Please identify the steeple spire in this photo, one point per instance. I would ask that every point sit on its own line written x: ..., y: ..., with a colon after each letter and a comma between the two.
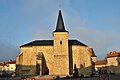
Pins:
x: 60, y: 24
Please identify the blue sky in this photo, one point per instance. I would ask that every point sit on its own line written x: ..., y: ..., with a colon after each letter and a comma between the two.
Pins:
x: 93, y: 22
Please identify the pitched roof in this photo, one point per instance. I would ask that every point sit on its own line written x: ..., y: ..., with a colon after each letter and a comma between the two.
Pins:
x: 39, y: 43
x: 11, y: 62
x: 113, y: 54
x: 1, y: 64
x: 75, y: 42
x: 101, y: 62
x: 92, y: 52
x: 60, y: 24
x: 50, y: 43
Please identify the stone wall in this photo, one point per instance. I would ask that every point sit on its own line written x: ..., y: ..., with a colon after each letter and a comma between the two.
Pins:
x: 27, y: 61
x: 61, y: 54
x: 48, y: 61
x: 82, y: 59
x: 59, y: 62
x: 81, y: 55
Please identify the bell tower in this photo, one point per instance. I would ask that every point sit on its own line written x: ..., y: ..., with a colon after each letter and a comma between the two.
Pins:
x: 61, y: 54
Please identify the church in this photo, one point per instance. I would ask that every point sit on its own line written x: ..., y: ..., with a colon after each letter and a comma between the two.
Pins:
x: 55, y: 57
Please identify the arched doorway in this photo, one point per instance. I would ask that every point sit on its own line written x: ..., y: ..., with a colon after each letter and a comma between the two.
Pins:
x: 37, y: 69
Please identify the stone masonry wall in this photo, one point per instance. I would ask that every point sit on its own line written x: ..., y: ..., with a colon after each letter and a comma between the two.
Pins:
x: 47, y: 56
x: 81, y: 56
x: 61, y: 55
x: 28, y: 63
x: 55, y: 58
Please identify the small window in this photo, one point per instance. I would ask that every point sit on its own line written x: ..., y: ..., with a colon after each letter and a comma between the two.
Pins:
x: 60, y: 42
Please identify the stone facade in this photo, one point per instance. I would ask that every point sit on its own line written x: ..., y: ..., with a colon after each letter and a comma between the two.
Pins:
x: 58, y: 55
x: 61, y: 54
x: 28, y: 59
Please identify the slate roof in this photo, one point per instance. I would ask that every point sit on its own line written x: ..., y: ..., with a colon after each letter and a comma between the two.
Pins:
x: 50, y: 43
x: 76, y: 42
x: 60, y: 24
x: 39, y: 43
x: 92, y: 53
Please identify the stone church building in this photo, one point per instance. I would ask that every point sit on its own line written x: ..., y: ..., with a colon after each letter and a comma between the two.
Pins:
x: 54, y: 57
